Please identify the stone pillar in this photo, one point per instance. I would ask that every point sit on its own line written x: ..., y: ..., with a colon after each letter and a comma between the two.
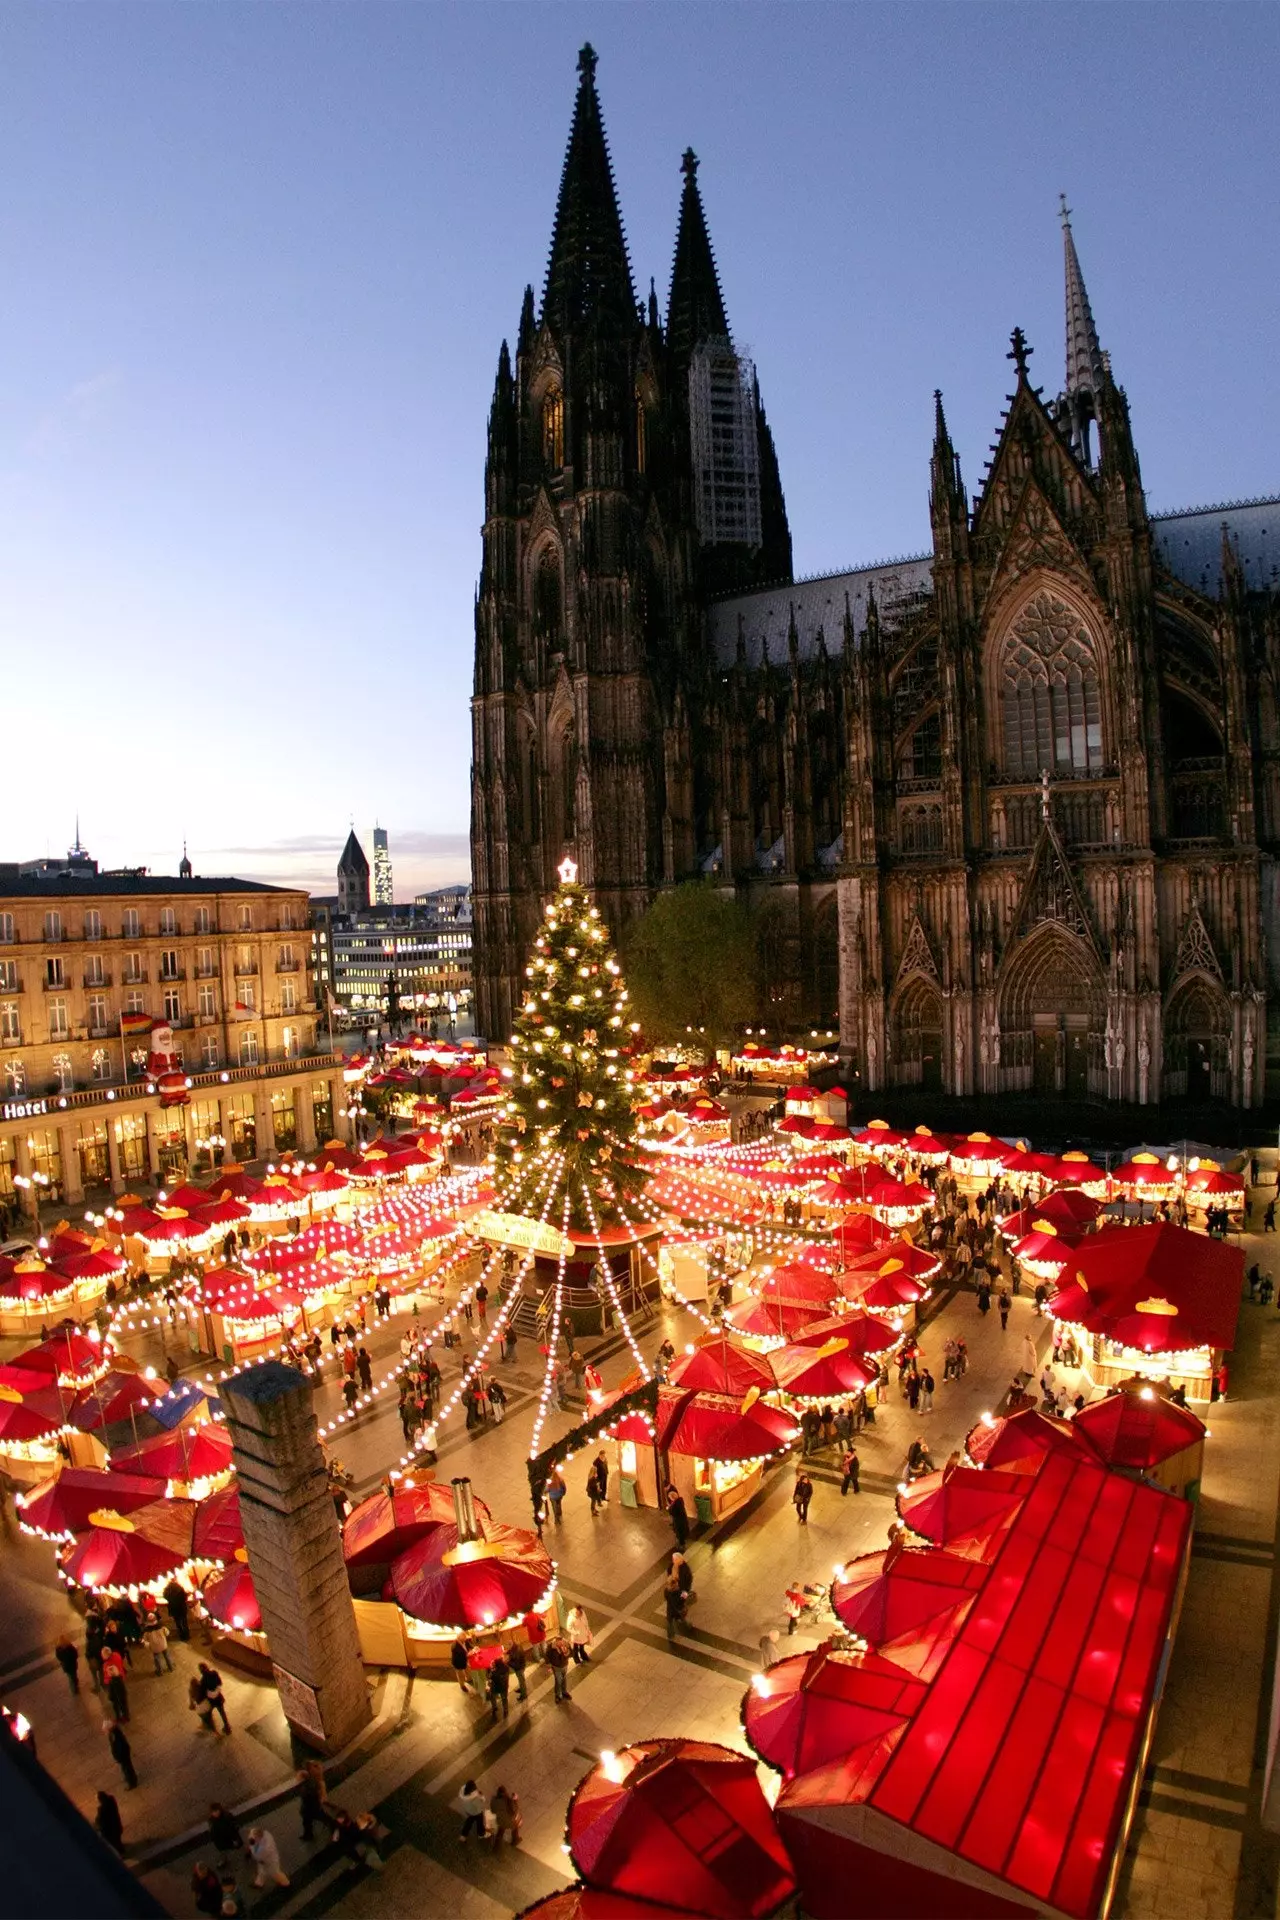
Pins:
x: 113, y: 1157
x: 295, y: 1555
x: 153, y: 1140
x: 304, y: 1117
x: 265, y: 1126
x: 72, y: 1183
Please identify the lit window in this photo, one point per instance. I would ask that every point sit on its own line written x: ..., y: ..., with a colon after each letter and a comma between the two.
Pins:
x: 62, y: 1074
x: 15, y: 1077
x: 100, y: 1064
x: 172, y: 1005
x: 10, y: 1025
x: 249, y: 1049
x: 553, y: 428
x: 59, y: 1025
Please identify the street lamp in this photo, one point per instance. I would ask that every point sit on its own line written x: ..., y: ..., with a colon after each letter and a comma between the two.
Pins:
x: 215, y: 1144
x: 31, y: 1186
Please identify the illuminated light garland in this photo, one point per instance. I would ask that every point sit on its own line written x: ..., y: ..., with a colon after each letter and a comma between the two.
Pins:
x: 645, y: 1369
x: 553, y: 1340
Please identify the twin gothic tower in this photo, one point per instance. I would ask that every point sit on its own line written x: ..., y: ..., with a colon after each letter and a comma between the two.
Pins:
x: 1008, y: 810
x: 630, y: 474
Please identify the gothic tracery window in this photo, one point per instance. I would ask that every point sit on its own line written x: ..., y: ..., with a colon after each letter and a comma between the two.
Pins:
x: 1050, y: 693
x: 553, y: 429
x: 642, y: 435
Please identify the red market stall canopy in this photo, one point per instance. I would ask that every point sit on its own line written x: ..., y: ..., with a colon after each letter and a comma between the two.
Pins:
x: 963, y: 1507
x: 771, y: 1319
x: 94, y: 1263
x: 798, y: 1285
x: 1146, y: 1173
x: 230, y: 1601
x: 67, y: 1354
x: 446, y: 1582
x: 888, y: 1290
x: 116, y: 1396
x: 218, y: 1532
x: 1139, y: 1430
x: 34, y: 1415
x: 61, y: 1507
x: 865, y: 1332
x: 170, y: 1524
x: 720, y: 1365
x: 879, y: 1137
x: 1046, y: 1255
x: 1158, y: 1288
x: 1013, y: 1786
x: 1017, y: 1442
x: 895, y: 1256
x: 1211, y: 1183
x: 900, y: 1593
x: 188, y: 1453
x: 680, y: 1823
x: 382, y: 1526
x: 901, y: 1196
x: 717, y: 1426
x: 114, y: 1555
x: 817, y: 1707
x: 832, y: 1371
x: 979, y: 1154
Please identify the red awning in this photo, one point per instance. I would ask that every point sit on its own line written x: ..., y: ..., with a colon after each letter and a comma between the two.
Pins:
x: 681, y: 1823
x: 1160, y: 1288
x: 832, y: 1371
x: 61, y: 1506
x: 720, y: 1365
x: 474, y: 1583
x: 1138, y: 1429
x: 1018, y: 1442
x: 963, y: 1507
x: 717, y: 1426
x: 385, y: 1524
x: 230, y: 1601
x: 817, y: 1707
x: 901, y: 1595
x: 116, y: 1556
x: 188, y: 1453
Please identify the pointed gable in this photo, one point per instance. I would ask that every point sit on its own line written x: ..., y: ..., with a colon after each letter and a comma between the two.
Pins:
x: 1050, y: 894
x: 917, y: 954
x: 588, y: 272
x: 1196, y: 951
x: 1036, y: 537
x: 1030, y: 444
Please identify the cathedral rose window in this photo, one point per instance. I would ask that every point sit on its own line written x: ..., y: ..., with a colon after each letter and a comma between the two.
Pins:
x: 1050, y: 692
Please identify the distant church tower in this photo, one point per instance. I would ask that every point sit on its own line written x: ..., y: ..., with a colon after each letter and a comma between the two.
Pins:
x: 353, y: 877
x: 611, y: 509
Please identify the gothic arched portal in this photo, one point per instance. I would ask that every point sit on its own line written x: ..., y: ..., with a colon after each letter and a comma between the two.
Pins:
x: 1197, y: 1028
x: 1052, y: 1015
x: 915, y: 1028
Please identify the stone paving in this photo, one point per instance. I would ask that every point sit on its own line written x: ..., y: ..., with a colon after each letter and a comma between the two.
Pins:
x: 1198, y: 1848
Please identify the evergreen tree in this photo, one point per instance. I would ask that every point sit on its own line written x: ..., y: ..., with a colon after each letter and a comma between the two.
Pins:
x: 570, y: 1092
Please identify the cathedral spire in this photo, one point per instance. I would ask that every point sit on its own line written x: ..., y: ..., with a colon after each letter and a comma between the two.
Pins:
x: 1085, y: 365
x: 695, y: 310
x: 588, y: 272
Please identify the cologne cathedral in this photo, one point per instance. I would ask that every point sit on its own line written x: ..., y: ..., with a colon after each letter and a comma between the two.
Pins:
x: 1008, y: 810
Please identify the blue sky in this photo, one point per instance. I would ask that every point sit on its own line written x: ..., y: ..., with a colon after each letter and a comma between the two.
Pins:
x: 258, y: 261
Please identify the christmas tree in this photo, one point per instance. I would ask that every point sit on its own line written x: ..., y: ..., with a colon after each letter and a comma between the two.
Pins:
x: 568, y: 1125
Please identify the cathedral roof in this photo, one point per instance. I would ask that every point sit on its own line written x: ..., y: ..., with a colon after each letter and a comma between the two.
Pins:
x: 695, y: 310
x: 588, y: 272
x: 1190, y: 543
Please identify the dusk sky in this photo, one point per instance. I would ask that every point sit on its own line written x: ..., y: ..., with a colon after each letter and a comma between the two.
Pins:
x: 258, y: 262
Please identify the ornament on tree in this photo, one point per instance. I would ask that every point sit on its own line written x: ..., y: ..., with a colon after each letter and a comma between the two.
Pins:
x: 584, y: 1098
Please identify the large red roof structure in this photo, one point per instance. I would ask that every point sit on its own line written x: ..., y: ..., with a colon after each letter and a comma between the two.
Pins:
x: 1011, y: 1789
x: 1161, y: 1289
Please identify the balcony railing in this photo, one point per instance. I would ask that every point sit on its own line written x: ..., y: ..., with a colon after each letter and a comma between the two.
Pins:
x: 286, y: 966
x: 97, y: 980
x: 244, y: 968
x: 207, y: 1079
x: 168, y: 974
x: 55, y: 986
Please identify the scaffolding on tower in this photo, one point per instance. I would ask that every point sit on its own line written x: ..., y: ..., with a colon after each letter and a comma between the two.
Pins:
x: 726, y: 449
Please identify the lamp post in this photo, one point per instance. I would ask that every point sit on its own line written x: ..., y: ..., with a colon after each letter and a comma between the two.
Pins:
x: 214, y: 1145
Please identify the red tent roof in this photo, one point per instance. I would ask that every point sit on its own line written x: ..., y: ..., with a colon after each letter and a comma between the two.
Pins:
x: 772, y: 1319
x: 681, y: 1823
x: 1017, y: 1442
x: 218, y: 1533
x: 962, y: 1507
x: 827, y: 1372
x: 720, y: 1365
x: 188, y: 1453
x: 229, y: 1599
x: 865, y: 1332
x: 66, y: 1352
x: 386, y: 1523
x: 1020, y: 1763
x: 1139, y: 1429
x: 473, y: 1583
x: 117, y: 1556
x: 61, y: 1506
x: 895, y: 1594
x: 798, y: 1285
x: 886, y: 1292
x: 817, y: 1707
x: 1160, y: 1288
x: 118, y: 1394
x: 31, y: 1415
x: 718, y: 1426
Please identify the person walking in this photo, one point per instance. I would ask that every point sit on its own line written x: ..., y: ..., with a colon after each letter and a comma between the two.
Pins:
x: 121, y: 1751
x: 769, y: 1655
x: 108, y: 1822
x: 556, y: 1490
x: 926, y: 1391
x: 198, y: 1704
x: 557, y: 1658
x: 849, y: 1468
x: 67, y: 1655
x: 505, y: 1809
x: 364, y: 1367
x: 499, y: 1689
x: 156, y: 1641
x: 113, y: 1679
x: 1030, y: 1359
x: 265, y: 1855
x: 984, y: 1295
x: 684, y: 1575
x: 473, y: 1806
x: 678, y: 1514
x: 206, y: 1888
x: 595, y: 1491
x: 211, y: 1690
x: 460, y: 1658
x: 175, y: 1598
x: 482, y: 1302
x: 224, y: 1829
x: 801, y: 1495
x: 913, y: 1391
x: 1269, y: 1218
x: 350, y: 1393
x: 673, y: 1600
x: 518, y: 1661
x: 578, y: 1368
x: 1004, y: 1301
x: 93, y: 1648
x: 579, y: 1632
x: 311, y: 1798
